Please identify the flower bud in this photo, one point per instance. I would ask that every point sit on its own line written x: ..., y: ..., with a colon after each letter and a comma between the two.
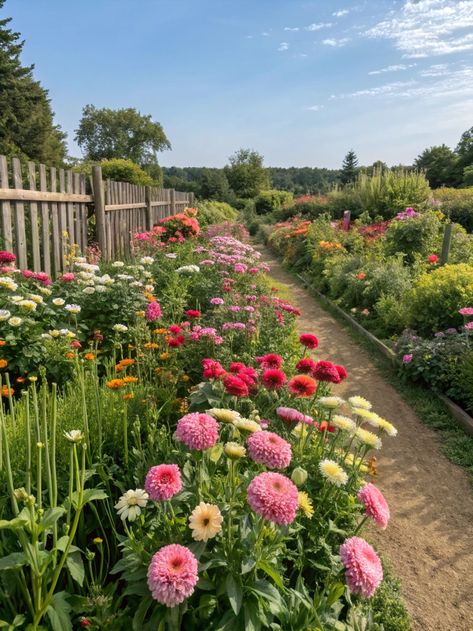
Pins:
x: 299, y: 476
x: 234, y: 451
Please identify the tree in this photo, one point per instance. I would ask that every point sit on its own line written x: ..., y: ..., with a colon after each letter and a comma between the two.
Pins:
x: 440, y: 164
x: 26, y: 120
x: 104, y: 134
x: 468, y: 176
x: 246, y: 173
x: 214, y: 185
x: 464, y: 150
x: 349, y: 168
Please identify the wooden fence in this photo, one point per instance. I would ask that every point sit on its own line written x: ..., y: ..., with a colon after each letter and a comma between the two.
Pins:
x: 44, y: 211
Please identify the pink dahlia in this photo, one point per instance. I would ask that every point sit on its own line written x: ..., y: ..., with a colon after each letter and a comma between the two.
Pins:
x: 274, y: 497
x: 291, y: 415
x: 342, y: 372
x: 197, y: 431
x: 7, y: 257
x: 172, y: 574
x: 236, y: 367
x: 212, y: 369
x: 363, y: 569
x: 163, y: 482
x: 273, y: 378
x: 308, y: 340
x: 67, y: 277
x: 235, y: 386
x: 466, y: 311
x: 269, y: 449
x: 326, y: 371
x: 153, y: 311
x: 271, y: 360
x: 375, y: 505
x: 305, y: 366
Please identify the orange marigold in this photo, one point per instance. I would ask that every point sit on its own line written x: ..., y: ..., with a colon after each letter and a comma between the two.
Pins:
x: 164, y: 356
x: 3, y: 363
x: 128, y: 396
x: 127, y: 361
x: 114, y: 384
x: 130, y: 379
x: 89, y: 356
x: 70, y: 355
x: 160, y: 331
x: 151, y: 345
x: 6, y: 391
x: 20, y: 379
x: 3, y: 343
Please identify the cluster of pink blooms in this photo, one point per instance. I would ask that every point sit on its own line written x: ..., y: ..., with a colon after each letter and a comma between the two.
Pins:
x: 7, y: 257
x: 197, y: 431
x: 163, y: 482
x: 274, y: 497
x: 269, y: 449
x: 153, y: 311
x: 363, y: 569
x: 375, y: 505
x: 172, y: 574
x: 198, y: 332
x: 291, y: 415
x: 466, y: 311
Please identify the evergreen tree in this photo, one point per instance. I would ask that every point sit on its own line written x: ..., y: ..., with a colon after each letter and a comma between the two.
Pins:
x: 349, y: 168
x: 26, y: 119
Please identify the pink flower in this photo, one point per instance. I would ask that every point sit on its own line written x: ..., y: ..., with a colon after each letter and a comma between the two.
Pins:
x: 291, y: 415
x: 197, y: 431
x: 235, y: 386
x: 273, y: 496
x: 326, y: 371
x: 153, y: 311
x: 27, y: 273
x: 163, y: 482
x: 342, y: 372
x: 7, y: 257
x: 469, y: 326
x: 363, y: 569
x: 269, y: 449
x: 308, y: 340
x: 432, y: 259
x: 67, y: 277
x: 273, y: 378
x: 270, y: 361
x: 466, y: 311
x: 42, y: 278
x: 305, y: 365
x: 407, y: 358
x: 375, y: 505
x: 216, y: 301
x: 172, y: 574
x: 212, y: 369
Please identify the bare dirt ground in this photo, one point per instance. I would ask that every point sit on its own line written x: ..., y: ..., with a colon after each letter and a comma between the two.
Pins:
x: 429, y: 541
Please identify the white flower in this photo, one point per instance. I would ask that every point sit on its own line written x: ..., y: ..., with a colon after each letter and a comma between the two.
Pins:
x: 59, y: 302
x: 45, y: 336
x: 130, y: 504
x: 171, y: 255
x: 125, y: 277
x: 188, y: 269
x: 147, y: 260
x: 74, y: 309
x: 368, y: 438
x: 88, y: 290
x: 16, y: 299
x: 15, y: 321
x: 74, y: 436
x: 330, y: 403
x: 4, y: 314
x: 149, y: 288
x: 28, y: 305
x: 359, y: 402
x: 100, y: 289
x: 36, y: 298
x: 8, y: 283
x: 147, y: 274
x: 136, y: 283
x: 118, y: 264
x: 343, y: 422
x: 120, y: 328
x: 45, y: 291
x: 333, y: 472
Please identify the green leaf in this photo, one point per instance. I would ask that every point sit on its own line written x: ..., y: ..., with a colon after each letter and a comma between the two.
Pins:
x: 335, y: 593
x: 252, y: 622
x: 216, y: 452
x: 13, y: 561
x: 234, y: 593
x: 75, y: 566
x: 140, y: 614
x: 17, y: 522
x: 247, y: 565
x: 268, y: 591
x: 271, y: 572
x: 58, y: 612
x: 205, y: 585
x: 90, y: 495
x: 50, y: 517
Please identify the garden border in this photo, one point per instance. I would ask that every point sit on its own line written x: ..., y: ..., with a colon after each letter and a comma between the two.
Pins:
x: 461, y: 417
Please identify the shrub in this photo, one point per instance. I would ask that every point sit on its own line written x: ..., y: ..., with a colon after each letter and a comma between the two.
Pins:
x: 434, y: 301
x: 415, y: 237
x: 457, y: 204
x: 309, y: 207
x: 269, y: 201
x: 215, y: 212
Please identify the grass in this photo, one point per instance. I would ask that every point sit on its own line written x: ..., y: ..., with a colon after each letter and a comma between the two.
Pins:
x: 388, y: 604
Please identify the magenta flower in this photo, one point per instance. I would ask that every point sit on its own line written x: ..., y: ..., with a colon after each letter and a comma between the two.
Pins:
x: 197, y: 431
x: 291, y: 415
x: 153, y: 311
x: 363, y: 569
x: 407, y: 358
x: 67, y: 277
x: 7, y: 257
x: 375, y: 505
x: 466, y: 311
x: 216, y: 301
x: 172, y: 575
x: 163, y: 482
x: 274, y: 497
x: 269, y: 449
x: 273, y: 378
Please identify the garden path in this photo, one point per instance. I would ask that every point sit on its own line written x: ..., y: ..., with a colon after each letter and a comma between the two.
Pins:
x: 429, y: 541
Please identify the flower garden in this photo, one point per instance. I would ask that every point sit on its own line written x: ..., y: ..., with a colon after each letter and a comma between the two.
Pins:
x: 173, y: 454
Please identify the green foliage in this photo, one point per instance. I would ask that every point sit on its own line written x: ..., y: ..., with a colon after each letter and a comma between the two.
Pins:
x: 462, y: 378
x: 246, y: 173
x: 125, y: 171
x: 349, y: 168
x: 416, y: 237
x: 105, y: 133
x: 468, y: 176
x: 304, y: 180
x: 27, y: 129
x: 457, y: 204
x: 436, y: 297
x: 272, y: 200
x: 464, y: 149
x: 440, y: 166
x: 214, y: 185
x: 388, y: 604
x: 215, y: 212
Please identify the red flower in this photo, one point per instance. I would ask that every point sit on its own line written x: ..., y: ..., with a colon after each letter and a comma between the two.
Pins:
x: 305, y: 366
x: 270, y: 361
x: 235, y: 386
x: 174, y: 329
x: 237, y: 367
x: 75, y: 344
x: 7, y: 257
x: 324, y: 426
x: 433, y: 258
x: 248, y: 373
x: 342, y: 373
x: 273, y: 378
x: 192, y: 313
x: 326, y: 371
x: 362, y: 276
x: 175, y: 342
x: 302, y: 386
x: 308, y: 340
x: 84, y: 622
x: 212, y: 369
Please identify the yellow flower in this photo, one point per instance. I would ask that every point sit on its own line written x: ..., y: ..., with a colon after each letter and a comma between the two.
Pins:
x: 366, y: 415
x: 305, y: 504
x: 98, y: 541
x: 387, y: 427
x: 247, y: 426
x: 3, y: 363
x: 368, y: 438
x: 224, y: 416
x: 140, y: 314
x: 185, y: 378
x: 205, y: 521
x: 333, y: 472
x: 234, y: 451
x: 359, y: 402
x: 150, y: 345
x: 164, y: 356
x: 343, y: 422
x: 358, y: 462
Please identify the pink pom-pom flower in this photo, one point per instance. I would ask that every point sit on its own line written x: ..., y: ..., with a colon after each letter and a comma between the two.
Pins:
x: 269, y: 449
x: 172, y: 574
x: 363, y: 569
x: 153, y: 311
x: 375, y: 505
x: 273, y: 378
x: 163, y: 482
x: 274, y: 497
x: 197, y: 431
x: 7, y: 257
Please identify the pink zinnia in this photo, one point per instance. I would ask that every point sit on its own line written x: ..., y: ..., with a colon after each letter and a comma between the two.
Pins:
x: 67, y: 277
x: 308, y: 340
x: 271, y: 360
x: 237, y: 367
x: 172, y: 574
x: 153, y: 311
x: 269, y: 449
x: 305, y: 366
x: 197, y: 431
x: 235, y: 386
x: 466, y: 311
x: 193, y: 313
x: 273, y: 378
x: 212, y: 369
x: 7, y: 257
x: 291, y: 415
x: 342, y: 372
x: 163, y: 482
x: 326, y: 371
x: 375, y: 505
x: 274, y: 497
x: 363, y: 569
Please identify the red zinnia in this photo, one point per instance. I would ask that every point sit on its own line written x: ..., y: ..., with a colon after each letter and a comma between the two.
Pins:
x: 273, y: 378
x: 237, y: 367
x: 175, y: 342
x: 362, y: 276
x: 270, y: 361
x: 302, y: 386
x: 175, y: 328
x: 433, y: 258
x: 305, y: 366
x: 342, y: 373
x: 235, y: 386
x: 212, y: 369
x: 308, y: 340
x: 192, y: 313
x: 326, y: 371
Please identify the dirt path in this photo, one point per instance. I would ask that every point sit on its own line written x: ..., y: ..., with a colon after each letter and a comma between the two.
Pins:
x: 429, y: 541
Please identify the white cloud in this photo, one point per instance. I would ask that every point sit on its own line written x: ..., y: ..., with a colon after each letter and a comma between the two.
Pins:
x: 336, y: 43
x: 425, y: 28
x: 435, y: 70
x: 315, y: 108
x: 341, y: 13
x: 249, y: 37
x: 293, y: 29
x: 283, y: 46
x: 317, y: 26
x: 393, y: 68
x: 265, y: 34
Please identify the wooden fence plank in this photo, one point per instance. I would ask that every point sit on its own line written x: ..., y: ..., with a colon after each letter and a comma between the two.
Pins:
x: 70, y: 210
x: 63, y: 217
x: 7, y: 231
x: 35, y: 242
x: 25, y: 195
x: 45, y: 236
x: 56, y: 233
x: 19, y: 217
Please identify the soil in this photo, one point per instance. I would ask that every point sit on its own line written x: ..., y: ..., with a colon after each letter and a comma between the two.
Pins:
x: 429, y: 540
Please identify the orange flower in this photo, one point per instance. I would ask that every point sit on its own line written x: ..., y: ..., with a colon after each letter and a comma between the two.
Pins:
x: 118, y: 368
x: 6, y: 392
x: 20, y: 379
x: 131, y: 347
x: 114, y: 384
x: 89, y: 356
x: 362, y: 276
x: 130, y: 379
x: 3, y: 363
x: 149, y: 297
x: 164, y: 356
x: 129, y: 396
x: 127, y: 362
x: 157, y: 370
x: 70, y: 355
x: 185, y: 378
x: 160, y: 331
x: 2, y: 343
x: 151, y: 345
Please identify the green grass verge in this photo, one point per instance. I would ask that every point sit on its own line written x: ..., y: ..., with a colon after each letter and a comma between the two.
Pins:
x: 388, y: 604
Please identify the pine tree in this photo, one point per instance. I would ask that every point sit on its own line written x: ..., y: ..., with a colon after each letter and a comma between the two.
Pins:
x: 349, y: 168
x: 26, y: 120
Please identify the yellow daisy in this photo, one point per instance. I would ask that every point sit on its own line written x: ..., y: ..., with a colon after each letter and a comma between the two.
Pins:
x: 305, y: 504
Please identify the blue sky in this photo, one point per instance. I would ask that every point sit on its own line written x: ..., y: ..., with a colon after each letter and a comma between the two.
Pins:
x: 301, y: 81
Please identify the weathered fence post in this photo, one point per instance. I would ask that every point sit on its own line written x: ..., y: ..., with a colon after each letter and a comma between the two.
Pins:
x: 447, y: 239
x: 191, y: 199
x: 346, y: 220
x: 173, y: 201
x: 99, y: 208
x: 149, y: 208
